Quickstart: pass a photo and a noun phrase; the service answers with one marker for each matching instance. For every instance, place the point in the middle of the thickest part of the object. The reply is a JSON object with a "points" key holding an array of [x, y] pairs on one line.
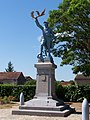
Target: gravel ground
{"points": [[6, 114]]}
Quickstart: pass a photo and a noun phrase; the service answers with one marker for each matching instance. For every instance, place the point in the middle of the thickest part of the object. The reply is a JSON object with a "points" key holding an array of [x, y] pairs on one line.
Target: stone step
{"points": [[49, 108], [43, 112]]}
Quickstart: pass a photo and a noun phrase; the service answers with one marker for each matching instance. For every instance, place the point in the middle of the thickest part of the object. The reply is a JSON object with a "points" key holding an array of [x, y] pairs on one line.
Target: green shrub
{"points": [[15, 91], [30, 82], [28, 91], [5, 99], [60, 91], [73, 93], [66, 93]]}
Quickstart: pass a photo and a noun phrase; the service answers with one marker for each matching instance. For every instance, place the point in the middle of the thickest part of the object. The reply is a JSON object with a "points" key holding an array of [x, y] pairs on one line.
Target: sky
{"points": [[19, 36]]}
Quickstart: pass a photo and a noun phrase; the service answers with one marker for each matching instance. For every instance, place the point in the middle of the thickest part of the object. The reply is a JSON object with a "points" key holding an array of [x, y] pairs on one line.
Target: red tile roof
{"points": [[9, 75], [65, 83]]}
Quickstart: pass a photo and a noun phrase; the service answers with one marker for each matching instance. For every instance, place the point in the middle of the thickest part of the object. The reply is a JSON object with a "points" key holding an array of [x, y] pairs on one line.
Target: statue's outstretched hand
{"points": [[38, 14]]}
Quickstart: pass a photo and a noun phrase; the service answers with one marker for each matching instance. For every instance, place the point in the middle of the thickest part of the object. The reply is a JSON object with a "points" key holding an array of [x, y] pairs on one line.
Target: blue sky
{"points": [[19, 36]]}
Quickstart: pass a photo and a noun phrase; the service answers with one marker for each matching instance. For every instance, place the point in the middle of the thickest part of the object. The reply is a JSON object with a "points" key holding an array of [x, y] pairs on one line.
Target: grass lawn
{"points": [[4, 106]]}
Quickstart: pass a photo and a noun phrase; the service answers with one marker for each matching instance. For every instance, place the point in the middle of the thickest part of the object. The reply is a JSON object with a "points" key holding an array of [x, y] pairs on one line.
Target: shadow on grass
{"points": [[78, 113]]}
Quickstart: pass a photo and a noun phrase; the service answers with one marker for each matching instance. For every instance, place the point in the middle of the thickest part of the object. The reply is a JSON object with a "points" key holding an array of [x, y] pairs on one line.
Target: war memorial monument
{"points": [[45, 102]]}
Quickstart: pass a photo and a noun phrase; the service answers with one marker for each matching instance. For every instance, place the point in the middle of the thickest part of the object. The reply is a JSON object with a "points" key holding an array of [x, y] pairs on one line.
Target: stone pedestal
{"points": [[45, 101], [45, 86]]}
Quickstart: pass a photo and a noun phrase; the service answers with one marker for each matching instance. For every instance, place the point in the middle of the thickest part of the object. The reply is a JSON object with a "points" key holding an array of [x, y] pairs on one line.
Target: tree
{"points": [[72, 21], [10, 67], [30, 82]]}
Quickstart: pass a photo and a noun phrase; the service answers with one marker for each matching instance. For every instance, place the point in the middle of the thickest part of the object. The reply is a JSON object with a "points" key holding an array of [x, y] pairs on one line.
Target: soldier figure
{"points": [[46, 39]]}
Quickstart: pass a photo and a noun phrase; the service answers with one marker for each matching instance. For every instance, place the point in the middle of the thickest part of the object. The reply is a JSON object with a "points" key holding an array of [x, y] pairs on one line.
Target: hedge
{"points": [[15, 90], [73, 93], [67, 93]]}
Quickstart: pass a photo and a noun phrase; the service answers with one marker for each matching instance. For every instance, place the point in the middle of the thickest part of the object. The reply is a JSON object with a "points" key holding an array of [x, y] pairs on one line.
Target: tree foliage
{"points": [[72, 20], [10, 67], [30, 82]]}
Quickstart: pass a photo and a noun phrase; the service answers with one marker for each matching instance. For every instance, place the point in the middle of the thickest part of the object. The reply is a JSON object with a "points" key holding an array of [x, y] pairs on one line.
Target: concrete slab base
{"points": [[41, 112], [40, 107]]}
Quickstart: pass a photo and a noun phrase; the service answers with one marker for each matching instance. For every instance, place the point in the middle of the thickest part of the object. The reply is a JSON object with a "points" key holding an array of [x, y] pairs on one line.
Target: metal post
{"points": [[21, 99], [85, 110]]}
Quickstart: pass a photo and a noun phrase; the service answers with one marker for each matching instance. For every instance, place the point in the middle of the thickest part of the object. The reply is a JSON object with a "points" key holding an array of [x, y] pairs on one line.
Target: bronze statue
{"points": [[46, 39]]}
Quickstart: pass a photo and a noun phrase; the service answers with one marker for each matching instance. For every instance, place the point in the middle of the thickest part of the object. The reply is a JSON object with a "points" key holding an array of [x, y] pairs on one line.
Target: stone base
{"points": [[43, 102], [41, 112], [44, 107], [64, 113]]}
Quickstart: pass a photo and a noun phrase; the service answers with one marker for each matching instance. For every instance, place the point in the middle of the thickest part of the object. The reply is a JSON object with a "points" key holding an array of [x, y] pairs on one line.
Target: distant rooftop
{"points": [[9, 75], [82, 77]]}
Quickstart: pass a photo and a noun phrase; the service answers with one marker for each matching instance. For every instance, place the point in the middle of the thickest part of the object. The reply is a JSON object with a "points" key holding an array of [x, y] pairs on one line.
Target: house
{"points": [[82, 80], [12, 78], [28, 78], [64, 83]]}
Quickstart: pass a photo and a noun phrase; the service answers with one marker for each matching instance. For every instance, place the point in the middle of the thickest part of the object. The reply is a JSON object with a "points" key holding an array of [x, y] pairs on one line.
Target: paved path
{"points": [[6, 114]]}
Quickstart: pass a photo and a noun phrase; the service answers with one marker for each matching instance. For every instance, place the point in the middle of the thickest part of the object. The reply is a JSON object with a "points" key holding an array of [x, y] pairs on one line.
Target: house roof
{"points": [[81, 77], [28, 77], [9, 75], [65, 83]]}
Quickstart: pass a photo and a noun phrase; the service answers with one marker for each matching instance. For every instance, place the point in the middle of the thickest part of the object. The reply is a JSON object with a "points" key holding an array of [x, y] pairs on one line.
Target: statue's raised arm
{"points": [[38, 24], [36, 18]]}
